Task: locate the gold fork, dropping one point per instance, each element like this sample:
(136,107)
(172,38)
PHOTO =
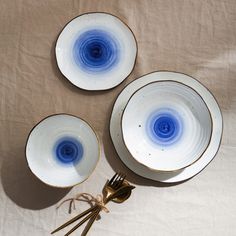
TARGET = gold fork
(110,191)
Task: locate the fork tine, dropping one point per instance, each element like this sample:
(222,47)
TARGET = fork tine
(111,180)
(116,182)
(116,179)
(118,176)
(119,181)
(122,179)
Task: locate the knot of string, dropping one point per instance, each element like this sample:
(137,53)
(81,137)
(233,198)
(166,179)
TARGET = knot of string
(85,197)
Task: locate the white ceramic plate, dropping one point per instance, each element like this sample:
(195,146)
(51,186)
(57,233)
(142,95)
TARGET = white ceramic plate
(171,124)
(62,150)
(174,176)
(96,51)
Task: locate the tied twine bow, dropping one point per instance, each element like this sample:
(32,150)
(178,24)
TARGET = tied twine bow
(85,197)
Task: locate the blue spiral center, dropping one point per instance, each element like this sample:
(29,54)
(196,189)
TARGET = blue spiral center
(165,127)
(68,150)
(96,51)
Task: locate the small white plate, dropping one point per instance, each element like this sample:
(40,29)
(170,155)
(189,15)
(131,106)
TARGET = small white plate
(62,150)
(171,124)
(173,176)
(96,51)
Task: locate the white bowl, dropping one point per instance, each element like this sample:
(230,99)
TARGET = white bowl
(96,51)
(62,150)
(166,176)
(166,126)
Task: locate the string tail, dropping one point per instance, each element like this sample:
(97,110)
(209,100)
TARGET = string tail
(85,197)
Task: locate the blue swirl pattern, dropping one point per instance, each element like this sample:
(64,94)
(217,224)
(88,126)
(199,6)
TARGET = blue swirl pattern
(68,150)
(96,51)
(165,127)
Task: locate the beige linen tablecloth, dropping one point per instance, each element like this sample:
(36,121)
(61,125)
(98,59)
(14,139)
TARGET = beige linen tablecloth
(190,36)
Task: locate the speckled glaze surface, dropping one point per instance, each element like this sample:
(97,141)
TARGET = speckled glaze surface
(171,124)
(124,153)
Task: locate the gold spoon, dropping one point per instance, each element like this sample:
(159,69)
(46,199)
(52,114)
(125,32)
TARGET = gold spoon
(123,197)
(119,199)
(109,192)
(125,192)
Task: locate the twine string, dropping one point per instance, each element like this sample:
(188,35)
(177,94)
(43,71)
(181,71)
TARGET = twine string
(85,197)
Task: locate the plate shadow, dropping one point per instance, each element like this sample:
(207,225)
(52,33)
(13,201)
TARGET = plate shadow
(23,188)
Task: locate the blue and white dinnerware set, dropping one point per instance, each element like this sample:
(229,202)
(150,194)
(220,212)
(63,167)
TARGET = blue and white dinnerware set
(165,126)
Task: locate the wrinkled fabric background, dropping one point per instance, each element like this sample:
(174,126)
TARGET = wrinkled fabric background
(194,37)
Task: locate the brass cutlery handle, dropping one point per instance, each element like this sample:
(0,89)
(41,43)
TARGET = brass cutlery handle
(113,189)
(97,209)
(90,223)
(74,219)
(92,209)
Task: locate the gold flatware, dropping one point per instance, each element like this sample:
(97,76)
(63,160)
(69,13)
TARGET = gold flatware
(75,219)
(126,191)
(90,223)
(123,197)
(82,222)
(117,190)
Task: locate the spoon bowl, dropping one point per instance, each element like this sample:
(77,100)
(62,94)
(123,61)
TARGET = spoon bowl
(123,197)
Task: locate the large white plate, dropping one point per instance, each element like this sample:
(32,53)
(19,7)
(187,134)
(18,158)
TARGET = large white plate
(175,176)
(96,51)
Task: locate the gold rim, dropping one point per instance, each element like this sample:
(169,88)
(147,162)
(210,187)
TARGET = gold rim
(136,44)
(217,149)
(122,132)
(99,149)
